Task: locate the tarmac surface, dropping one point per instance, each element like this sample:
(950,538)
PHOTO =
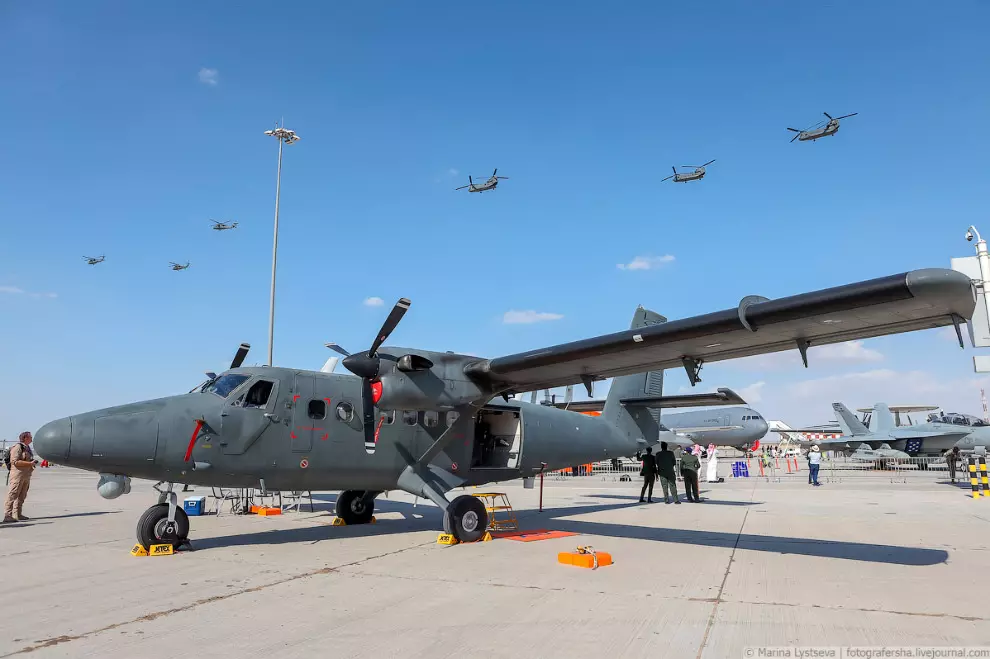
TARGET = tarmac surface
(865,562)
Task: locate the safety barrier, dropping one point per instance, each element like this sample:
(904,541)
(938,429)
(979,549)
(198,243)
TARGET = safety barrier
(835,468)
(978,475)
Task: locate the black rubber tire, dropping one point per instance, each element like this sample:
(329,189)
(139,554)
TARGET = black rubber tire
(355,507)
(150,527)
(468,518)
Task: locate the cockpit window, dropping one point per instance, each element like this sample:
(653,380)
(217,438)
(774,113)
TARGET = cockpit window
(225,384)
(258,394)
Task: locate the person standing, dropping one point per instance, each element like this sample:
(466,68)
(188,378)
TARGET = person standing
(648,472)
(22,464)
(690,466)
(665,468)
(951,459)
(814,463)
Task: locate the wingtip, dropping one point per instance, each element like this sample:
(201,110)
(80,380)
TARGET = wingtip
(953,288)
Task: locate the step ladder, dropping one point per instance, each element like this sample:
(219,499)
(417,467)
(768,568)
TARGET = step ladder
(501,517)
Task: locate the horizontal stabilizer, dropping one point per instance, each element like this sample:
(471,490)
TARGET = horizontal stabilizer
(722,396)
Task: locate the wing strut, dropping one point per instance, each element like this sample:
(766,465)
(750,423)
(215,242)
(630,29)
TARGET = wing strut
(692,367)
(588,382)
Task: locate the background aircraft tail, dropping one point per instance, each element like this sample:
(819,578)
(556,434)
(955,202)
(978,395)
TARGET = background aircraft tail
(881,420)
(636,421)
(848,422)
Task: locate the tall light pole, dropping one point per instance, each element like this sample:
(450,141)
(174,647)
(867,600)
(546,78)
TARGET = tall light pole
(284,136)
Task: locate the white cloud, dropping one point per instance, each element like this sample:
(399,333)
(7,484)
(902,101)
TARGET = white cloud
(209,76)
(453,172)
(14,290)
(374,302)
(810,401)
(751,394)
(850,352)
(646,262)
(517,317)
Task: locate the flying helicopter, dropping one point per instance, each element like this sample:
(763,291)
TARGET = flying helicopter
(831,127)
(490,184)
(176,266)
(93,260)
(428,422)
(223,226)
(697,174)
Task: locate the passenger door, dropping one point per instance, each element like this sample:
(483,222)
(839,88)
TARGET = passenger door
(246,414)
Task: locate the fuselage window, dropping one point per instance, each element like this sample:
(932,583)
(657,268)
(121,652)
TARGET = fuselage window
(226,384)
(452,418)
(345,412)
(410,417)
(317,409)
(257,395)
(389,416)
(431,419)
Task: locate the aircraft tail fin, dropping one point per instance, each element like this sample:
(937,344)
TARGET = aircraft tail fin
(881,420)
(848,422)
(636,421)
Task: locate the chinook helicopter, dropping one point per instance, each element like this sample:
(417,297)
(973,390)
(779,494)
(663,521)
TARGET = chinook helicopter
(490,184)
(427,422)
(696,175)
(93,260)
(176,266)
(830,127)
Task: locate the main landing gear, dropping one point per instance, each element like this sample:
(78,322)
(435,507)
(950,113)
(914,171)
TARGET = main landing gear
(165,523)
(466,518)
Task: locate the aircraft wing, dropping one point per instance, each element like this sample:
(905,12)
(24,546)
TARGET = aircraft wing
(688,431)
(722,396)
(920,299)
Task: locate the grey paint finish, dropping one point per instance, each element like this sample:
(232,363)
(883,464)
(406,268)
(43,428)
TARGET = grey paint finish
(422,448)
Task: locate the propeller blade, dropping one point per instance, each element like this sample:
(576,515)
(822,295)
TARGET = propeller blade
(242,351)
(794,129)
(673,169)
(847,115)
(796,136)
(462,187)
(708,163)
(827,115)
(495,172)
(470,180)
(336,348)
(666,179)
(398,311)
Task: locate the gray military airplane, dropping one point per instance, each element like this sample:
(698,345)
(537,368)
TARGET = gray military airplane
(176,266)
(697,174)
(831,127)
(490,184)
(223,226)
(93,260)
(881,457)
(737,427)
(423,421)
(914,440)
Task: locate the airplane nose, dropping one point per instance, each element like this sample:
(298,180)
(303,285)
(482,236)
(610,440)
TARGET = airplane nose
(52,441)
(763,427)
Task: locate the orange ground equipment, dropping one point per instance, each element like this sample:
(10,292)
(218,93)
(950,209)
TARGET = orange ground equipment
(585,557)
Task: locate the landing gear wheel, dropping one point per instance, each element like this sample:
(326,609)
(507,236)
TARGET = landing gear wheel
(153,527)
(355,507)
(466,518)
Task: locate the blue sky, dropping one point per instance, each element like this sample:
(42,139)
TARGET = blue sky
(130,125)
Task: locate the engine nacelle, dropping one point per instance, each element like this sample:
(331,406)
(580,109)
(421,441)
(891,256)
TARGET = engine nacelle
(426,381)
(112,486)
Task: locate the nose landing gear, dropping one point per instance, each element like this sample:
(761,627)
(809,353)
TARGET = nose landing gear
(164,523)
